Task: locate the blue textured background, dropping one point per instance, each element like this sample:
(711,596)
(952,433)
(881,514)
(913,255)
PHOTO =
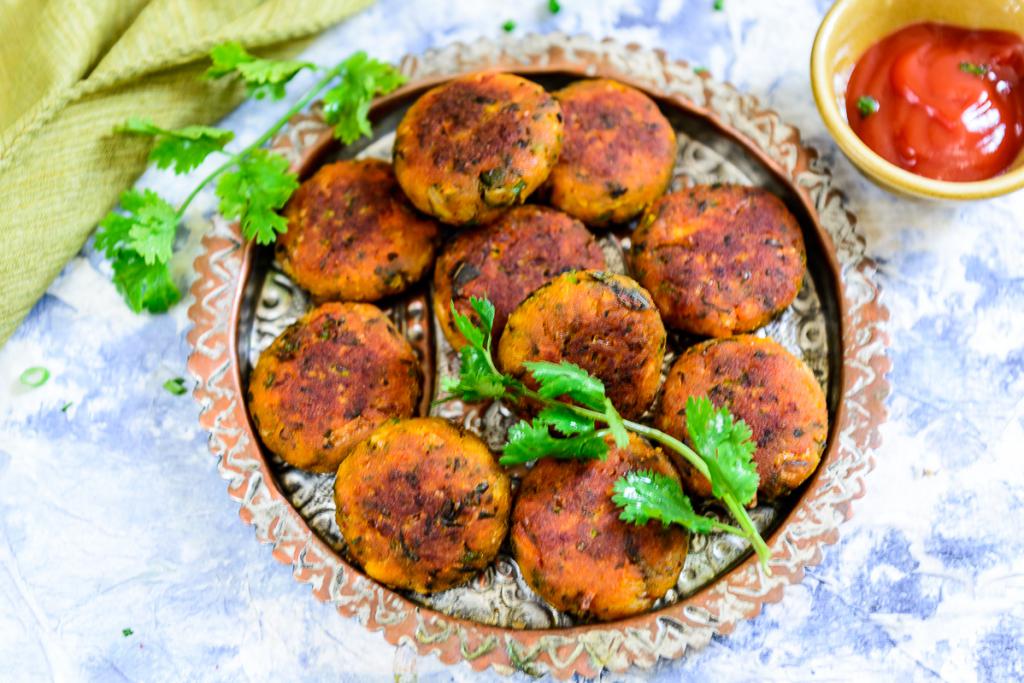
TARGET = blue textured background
(926,584)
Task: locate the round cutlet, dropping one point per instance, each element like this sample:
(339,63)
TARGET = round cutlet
(604,323)
(767,387)
(353,235)
(476,145)
(618,154)
(422,505)
(328,381)
(719,260)
(573,549)
(505,260)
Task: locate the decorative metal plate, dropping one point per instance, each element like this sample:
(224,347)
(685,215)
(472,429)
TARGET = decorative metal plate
(243,302)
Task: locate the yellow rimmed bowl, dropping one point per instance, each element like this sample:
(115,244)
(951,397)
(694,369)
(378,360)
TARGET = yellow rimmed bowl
(848,30)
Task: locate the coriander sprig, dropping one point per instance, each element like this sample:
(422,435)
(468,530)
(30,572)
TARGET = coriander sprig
(253,184)
(576,416)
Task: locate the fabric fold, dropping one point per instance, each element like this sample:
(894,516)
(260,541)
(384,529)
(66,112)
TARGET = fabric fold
(61,169)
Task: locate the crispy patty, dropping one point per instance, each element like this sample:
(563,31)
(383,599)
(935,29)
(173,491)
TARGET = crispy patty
(761,383)
(329,380)
(604,323)
(422,506)
(573,549)
(476,145)
(353,235)
(719,260)
(506,260)
(618,154)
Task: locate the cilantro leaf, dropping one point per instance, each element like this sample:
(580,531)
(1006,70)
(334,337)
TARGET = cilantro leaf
(567,379)
(183,149)
(478,378)
(146,287)
(347,104)
(564,420)
(646,495)
(148,227)
(253,192)
(262,77)
(528,441)
(726,447)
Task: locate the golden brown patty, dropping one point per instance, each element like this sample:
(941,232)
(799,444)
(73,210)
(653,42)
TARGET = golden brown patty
(761,383)
(422,506)
(506,260)
(719,259)
(573,549)
(476,145)
(604,323)
(353,235)
(618,154)
(328,381)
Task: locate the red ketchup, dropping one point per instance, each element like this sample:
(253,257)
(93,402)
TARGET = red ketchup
(941,101)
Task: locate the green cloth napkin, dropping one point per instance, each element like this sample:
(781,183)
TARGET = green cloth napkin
(71,71)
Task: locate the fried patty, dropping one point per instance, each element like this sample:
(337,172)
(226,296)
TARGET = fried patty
(353,235)
(719,260)
(476,145)
(604,323)
(329,380)
(766,386)
(573,549)
(506,260)
(422,505)
(618,155)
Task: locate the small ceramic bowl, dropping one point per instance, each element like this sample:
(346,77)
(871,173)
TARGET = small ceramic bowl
(853,26)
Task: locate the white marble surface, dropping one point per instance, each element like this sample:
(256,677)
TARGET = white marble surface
(927,582)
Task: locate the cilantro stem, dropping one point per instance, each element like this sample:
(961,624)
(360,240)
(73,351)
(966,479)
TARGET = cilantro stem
(233,159)
(746,529)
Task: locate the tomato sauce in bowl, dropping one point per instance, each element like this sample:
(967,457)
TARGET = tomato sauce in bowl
(941,101)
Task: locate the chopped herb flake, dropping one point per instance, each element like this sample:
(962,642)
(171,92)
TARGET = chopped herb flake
(719,5)
(554,7)
(176,386)
(64,408)
(700,70)
(976,69)
(867,105)
(34,377)
(508,26)
(126,632)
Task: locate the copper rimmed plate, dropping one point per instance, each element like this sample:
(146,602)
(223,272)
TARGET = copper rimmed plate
(836,325)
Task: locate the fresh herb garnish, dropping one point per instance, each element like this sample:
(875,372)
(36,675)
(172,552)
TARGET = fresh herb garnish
(700,70)
(976,69)
(554,7)
(183,149)
(254,183)
(64,408)
(508,26)
(176,386)
(576,417)
(262,77)
(34,377)
(719,5)
(126,632)
(867,105)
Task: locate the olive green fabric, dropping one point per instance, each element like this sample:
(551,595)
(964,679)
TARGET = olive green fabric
(71,71)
